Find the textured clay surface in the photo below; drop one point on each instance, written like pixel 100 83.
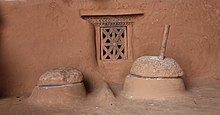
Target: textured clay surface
pixel 37 35
pixel 103 96
pixel 147 88
pixel 152 66
pixel 60 76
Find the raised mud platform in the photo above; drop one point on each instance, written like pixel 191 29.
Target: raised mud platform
pixel 60 94
pixel 137 87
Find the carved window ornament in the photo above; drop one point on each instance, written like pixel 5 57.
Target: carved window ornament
pixel 113 43
pixel 113 33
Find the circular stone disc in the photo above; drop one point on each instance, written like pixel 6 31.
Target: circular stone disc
pixel 152 66
pixel 61 76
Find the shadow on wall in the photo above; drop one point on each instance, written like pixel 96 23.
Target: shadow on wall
pixel 3 83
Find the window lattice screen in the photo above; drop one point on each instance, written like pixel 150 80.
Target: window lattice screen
pixel 113 43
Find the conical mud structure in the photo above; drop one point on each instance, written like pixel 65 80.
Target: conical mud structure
pixel 154 76
pixel 59 86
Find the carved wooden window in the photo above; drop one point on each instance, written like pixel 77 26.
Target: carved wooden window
pixel 113 43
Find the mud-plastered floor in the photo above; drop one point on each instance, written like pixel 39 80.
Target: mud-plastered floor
pixel 197 101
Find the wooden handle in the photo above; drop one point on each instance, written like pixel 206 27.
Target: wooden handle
pixel 164 42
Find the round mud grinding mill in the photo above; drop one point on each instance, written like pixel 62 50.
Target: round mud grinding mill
pixel 59 86
pixel 154 76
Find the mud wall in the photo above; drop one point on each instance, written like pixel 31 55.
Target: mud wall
pixel 39 35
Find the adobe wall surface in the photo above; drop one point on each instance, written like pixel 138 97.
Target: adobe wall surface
pixel 43 34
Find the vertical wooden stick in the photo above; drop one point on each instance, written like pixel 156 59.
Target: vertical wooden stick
pixel 164 42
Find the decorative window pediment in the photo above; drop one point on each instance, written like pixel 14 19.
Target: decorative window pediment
pixel 113 34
